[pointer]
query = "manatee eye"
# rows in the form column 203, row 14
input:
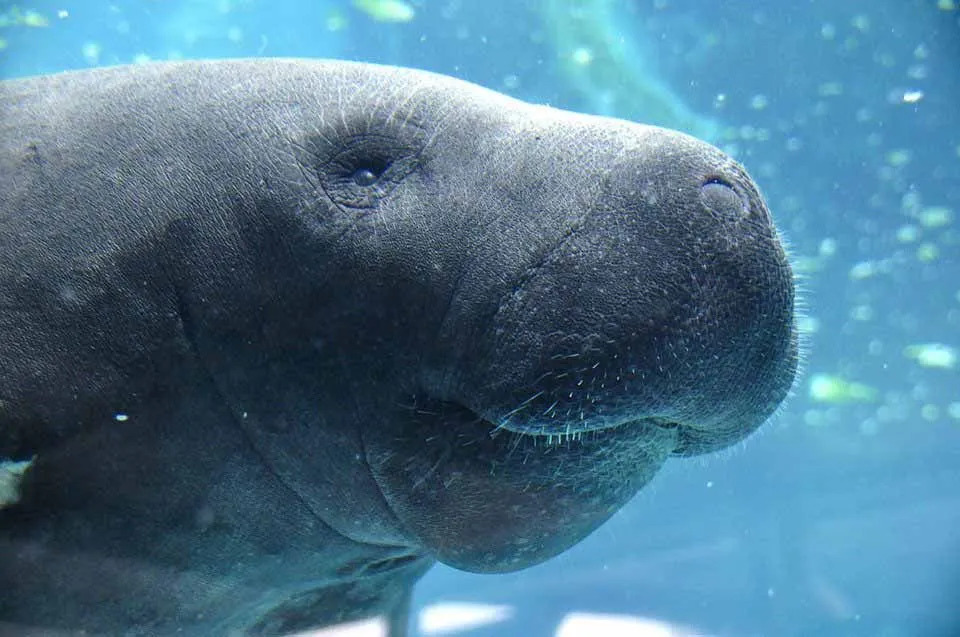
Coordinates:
column 720, row 197
column 370, row 172
column 364, row 177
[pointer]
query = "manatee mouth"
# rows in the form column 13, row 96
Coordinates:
column 577, row 427
column 690, row 439
column 554, row 431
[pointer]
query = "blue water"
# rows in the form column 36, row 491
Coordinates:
column 842, row 517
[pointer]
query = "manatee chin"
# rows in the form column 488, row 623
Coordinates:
column 485, row 499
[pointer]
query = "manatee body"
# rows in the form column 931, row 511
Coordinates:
column 275, row 335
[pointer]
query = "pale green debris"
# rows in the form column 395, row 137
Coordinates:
column 953, row 409
column 937, row 355
column 91, row 52
column 34, row 19
column 830, row 89
column 825, row 388
column 899, row 157
column 3, row 44
column 582, row 56
column 861, row 313
column 936, row 216
column 863, row 270
column 808, row 324
column 15, row 17
column 928, row 252
column 386, row 10
column 910, row 203
column 828, row 247
column 930, row 413
column 807, row 265
column 11, row 474
column 912, row 97
column 946, row 5
column 336, row 21
column 907, row 234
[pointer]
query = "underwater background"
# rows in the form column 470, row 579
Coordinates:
column 842, row 515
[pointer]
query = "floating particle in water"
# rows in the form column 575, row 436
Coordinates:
column 898, row 157
column 830, row 89
column 908, row 234
column 34, row 19
column 386, row 10
column 861, row 22
column 861, row 313
column 826, row 388
column 936, row 217
column 91, row 52
column 910, row 203
column 935, row 355
column 911, row 97
column 828, row 31
column 953, row 410
column 930, row 413
column 582, row 56
column 863, row 270
column 758, row 102
column 336, row 21
column 807, row 265
column 450, row 617
column 808, row 325
column 928, row 252
column 828, row 247
column 946, row 5
column 916, row 72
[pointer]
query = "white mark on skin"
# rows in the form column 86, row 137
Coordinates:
column 11, row 475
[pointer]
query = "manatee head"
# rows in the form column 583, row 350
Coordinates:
column 287, row 327
column 528, row 310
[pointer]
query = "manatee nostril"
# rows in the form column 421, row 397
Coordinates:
column 720, row 197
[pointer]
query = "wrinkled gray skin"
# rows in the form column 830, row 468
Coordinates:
column 358, row 319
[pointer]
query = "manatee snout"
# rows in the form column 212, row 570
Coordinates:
column 669, row 300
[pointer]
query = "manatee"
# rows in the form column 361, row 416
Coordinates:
column 277, row 335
